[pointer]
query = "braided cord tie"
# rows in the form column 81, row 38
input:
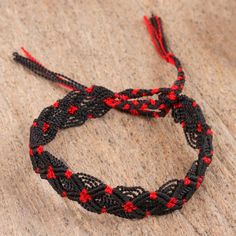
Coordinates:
column 83, row 103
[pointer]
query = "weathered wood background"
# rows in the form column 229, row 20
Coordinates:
column 106, row 43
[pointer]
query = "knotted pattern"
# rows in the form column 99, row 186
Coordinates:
column 84, row 103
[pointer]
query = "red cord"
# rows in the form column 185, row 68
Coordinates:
column 157, row 39
column 29, row 56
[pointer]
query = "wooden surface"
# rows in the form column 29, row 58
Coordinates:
column 106, row 43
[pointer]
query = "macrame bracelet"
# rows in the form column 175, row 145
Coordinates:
column 84, row 103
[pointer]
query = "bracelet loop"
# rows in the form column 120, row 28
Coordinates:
column 84, row 103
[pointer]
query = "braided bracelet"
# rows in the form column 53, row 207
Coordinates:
column 84, row 103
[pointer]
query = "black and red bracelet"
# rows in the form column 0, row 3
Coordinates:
column 84, row 103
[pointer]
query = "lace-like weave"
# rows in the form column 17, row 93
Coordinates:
column 84, row 103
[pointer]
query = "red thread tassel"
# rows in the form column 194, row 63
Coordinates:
column 155, row 30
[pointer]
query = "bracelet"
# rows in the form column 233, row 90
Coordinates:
column 83, row 103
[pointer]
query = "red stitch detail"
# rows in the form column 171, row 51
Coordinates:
column 167, row 109
column 121, row 96
column 178, row 105
column 143, row 107
column 198, row 185
column 111, row 102
column 126, row 107
column 37, row 170
column 207, row 160
column 135, row 91
column 199, row 128
column 64, row 194
column 72, row 109
column 148, row 213
column 152, row 102
column 174, row 87
column 68, row 174
column 183, row 124
column 104, row 210
column 129, row 207
column 172, row 95
column 31, row 152
column 162, row 106
column 171, row 203
column 89, row 90
column 153, row 195
column 108, row 190
column 55, row 104
column 51, row 174
column 199, row 181
column 180, row 69
column 35, row 124
column 124, row 97
column 155, row 115
column 135, row 102
column 209, row 132
column 180, row 78
column 40, row 150
column 194, row 104
column 155, row 91
column 134, row 112
column 45, row 127
column 90, row 116
column 84, row 196
column 187, row 181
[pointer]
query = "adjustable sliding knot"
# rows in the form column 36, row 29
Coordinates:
column 85, row 103
column 146, row 107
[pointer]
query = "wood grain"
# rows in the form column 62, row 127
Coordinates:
column 106, row 43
